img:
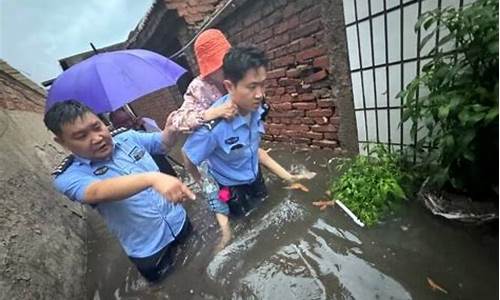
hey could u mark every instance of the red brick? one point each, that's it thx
(271, 83)
(314, 135)
(290, 9)
(310, 53)
(275, 128)
(307, 121)
(324, 112)
(283, 61)
(274, 99)
(328, 102)
(307, 42)
(282, 106)
(322, 120)
(279, 40)
(330, 136)
(304, 67)
(276, 73)
(304, 105)
(286, 114)
(282, 138)
(263, 35)
(286, 98)
(293, 47)
(307, 29)
(279, 91)
(307, 97)
(322, 62)
(305, 89)
(294, 133)
(299, 128)
(272, 19)
(202, 8)
(324, 128)
(293, 73)
(311, 13)
(280, 52)
(286, 25)
(194, 18)
(318, 76)
(288, 81)
(252, 18)
(301, 140)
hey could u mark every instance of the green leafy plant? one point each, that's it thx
(370, 186)
(458, 101)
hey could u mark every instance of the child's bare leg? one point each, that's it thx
(223, 221)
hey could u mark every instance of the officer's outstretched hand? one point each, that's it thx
(171, 188)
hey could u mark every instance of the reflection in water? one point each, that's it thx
(354, 274)
(286, 212)
(287, 249)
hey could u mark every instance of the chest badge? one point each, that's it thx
(137, 153)
(101, 170)
(232, 140)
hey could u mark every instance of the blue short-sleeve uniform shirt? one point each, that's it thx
(230, 147)
(145, 222)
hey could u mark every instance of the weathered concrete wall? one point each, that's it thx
(42, 234)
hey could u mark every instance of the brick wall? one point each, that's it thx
(158, 105)
(299, 85)
(16, 96)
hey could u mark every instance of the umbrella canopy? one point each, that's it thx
(108, 81)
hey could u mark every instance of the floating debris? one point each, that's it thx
(323, 204)
(297, 186)
(434, 286)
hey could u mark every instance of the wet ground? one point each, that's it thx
(289, 249)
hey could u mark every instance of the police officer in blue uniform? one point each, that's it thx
(231, 147)
(115, 173)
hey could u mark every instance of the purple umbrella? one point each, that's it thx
(108, 81)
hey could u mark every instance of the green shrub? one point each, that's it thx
(370, 186)
(459, 149)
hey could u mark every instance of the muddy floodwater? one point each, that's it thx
(288, 249)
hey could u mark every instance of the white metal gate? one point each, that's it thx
(384, 58)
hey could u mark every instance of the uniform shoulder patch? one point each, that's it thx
(118, 131)
(65, 163)
(211, 124)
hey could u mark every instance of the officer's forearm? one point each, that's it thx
(191, 168)
(118, 188)
(211, 113)
(267, 161)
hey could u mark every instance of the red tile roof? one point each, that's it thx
(193, 11)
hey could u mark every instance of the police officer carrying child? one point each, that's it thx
(114, 172)
(231, 147)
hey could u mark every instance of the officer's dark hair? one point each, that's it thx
(64, 112)
(239, 60)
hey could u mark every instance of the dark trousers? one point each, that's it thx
(164, 165)
(156, 266)
(244, 197)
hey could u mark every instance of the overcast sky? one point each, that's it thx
(35, 34)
